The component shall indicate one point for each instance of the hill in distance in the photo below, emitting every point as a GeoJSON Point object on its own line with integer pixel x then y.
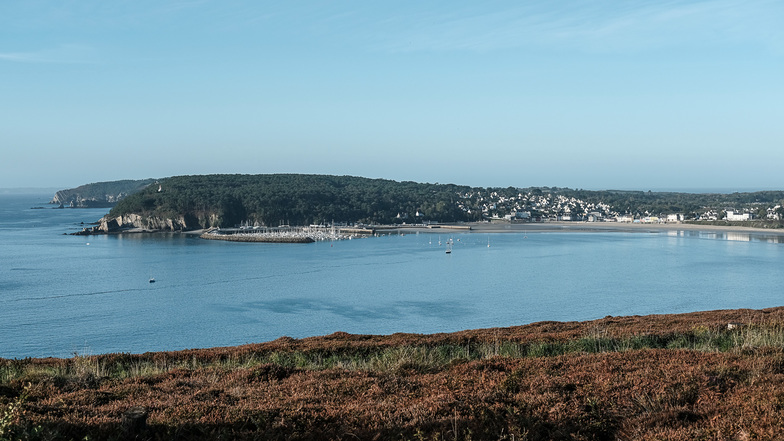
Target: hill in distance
{"type": "Point", "coordinates": [99, 194]}
{"type": "Point", "coordinates": [203, 201]}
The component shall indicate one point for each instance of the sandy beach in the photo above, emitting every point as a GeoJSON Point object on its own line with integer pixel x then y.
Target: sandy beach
{"type": "Point", "coordinates": [487, 227]}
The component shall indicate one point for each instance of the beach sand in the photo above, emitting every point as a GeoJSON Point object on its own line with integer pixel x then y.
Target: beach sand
{"type": "Point", "coordinates": [487, 227]}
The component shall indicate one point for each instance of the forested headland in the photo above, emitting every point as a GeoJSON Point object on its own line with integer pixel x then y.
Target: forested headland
{"type": "Point", "coordinates": [203, 201]}
{"type": "Point", "coordinates": [294, 199]}
{"type": "Point", "coordinates": [99, 194]}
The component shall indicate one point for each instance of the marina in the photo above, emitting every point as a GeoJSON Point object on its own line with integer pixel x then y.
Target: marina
{"type": "Point", "coordinates": [280, 234]}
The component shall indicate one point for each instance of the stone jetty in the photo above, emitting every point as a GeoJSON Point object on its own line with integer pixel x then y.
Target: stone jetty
{"type": "Point", "coordinates": [277, 235]}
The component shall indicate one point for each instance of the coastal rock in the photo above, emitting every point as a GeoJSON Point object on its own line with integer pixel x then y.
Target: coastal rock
{"type": "Point", "coordinates": [76, 200]}
{"type": "Point", "coordinates": [98, 195]}
{"type": "Point", "coordinates": [129, 222]}
{"type": "Point", "coordinates": [109, 225]}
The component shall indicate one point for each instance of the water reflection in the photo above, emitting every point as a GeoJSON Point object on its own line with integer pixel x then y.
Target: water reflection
{"type": "Point", "coordinates": [395, 310]}
{"type": "Point", "coordinates": [740, 237]}
{"type": "Point", "coordinates": [736, 236]}
{"type": "Point", "coordinates": [748, 237]}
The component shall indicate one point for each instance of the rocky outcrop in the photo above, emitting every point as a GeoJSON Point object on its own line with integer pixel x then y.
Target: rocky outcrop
{"type": "Point", "coordinates": [68, 198]}
{"type": "Point", "coordinates": [139, 223]}
{"type": "Point", "coordinates": [99, 194]}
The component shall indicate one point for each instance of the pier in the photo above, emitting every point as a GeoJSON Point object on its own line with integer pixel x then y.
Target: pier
{"type": "Point", "coordinates": [283, 234]}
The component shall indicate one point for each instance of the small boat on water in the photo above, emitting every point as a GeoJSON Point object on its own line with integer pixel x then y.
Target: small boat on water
{"type": "Point", "coordinates": [152, 279]}
{"type": "Point", "coordinates": [449, 246]}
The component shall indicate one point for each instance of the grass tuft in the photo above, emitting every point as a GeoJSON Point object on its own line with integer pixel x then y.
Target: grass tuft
{"type": "Point", "coordinates": [88, 371]}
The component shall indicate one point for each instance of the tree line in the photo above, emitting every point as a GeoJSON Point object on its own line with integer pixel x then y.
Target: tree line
{"type": "Point", "coordinates": [301, 199]}
{"type": "Point", "coordinates": [295, 199]}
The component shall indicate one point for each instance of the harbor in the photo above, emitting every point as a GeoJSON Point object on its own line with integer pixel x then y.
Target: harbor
{"type": "Point", "coordinates": [284, 234]}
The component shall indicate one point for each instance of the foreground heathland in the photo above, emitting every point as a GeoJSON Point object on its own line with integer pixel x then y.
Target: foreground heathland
{"type": "Point", "coordinates": [656, 377]}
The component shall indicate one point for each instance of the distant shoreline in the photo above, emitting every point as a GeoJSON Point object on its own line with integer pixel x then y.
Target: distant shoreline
{"type": "Point", "coordinates": [620, 227]}
{"type": "Point", "coordinates": [485, 227]}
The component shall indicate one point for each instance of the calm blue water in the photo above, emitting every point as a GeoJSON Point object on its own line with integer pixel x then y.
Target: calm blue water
{"type": "Point", "coordinates": [62, 294]}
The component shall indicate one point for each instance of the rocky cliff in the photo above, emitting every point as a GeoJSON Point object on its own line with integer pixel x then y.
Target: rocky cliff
{"type": "Point", "coordinates": [76, 200]}
{"type": "Point", "coordinates": [135, 221]}
{"type": "Point", "coordinates": [139, 223]}
{"type": "Point", "coordinates": [100, 194]}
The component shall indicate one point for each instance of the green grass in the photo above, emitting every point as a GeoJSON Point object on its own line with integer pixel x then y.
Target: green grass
{"type": "Point", "coordinates": [11, 414]}
{"type": "Point", "coordinates": [81, 371]}
{"type": "Point", "coordinates": [86, 370]}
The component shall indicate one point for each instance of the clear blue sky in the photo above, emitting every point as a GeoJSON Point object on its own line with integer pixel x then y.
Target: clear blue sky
{"type": "Point", "coordinates": [582, 94]}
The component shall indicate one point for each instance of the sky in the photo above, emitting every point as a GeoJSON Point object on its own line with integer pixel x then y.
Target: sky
{"type": "Point", "coordinates": [581, 94]}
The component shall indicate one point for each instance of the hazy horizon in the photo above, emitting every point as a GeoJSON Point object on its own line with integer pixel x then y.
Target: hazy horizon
{"type": "Point", "coordinates": [682, 94]}
{"type": "Point", "coordinates": [719, 190]}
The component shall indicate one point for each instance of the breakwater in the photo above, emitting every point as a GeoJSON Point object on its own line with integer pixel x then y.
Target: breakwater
{"type": "Point", "coordinates": [256, 238]}
{"type": "Point", "coordinates": [277, 235]}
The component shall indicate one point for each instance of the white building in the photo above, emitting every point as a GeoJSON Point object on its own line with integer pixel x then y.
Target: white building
{"type": "Point", "coordinates": [735, 216]}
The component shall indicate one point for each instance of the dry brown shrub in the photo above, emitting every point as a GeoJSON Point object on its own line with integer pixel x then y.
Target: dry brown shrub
{"type": "Point", "coordinates": [227, 393]}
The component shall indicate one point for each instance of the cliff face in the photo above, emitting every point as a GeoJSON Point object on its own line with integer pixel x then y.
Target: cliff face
{"type": "Point", "coordinates": [135, 221]}
{"type": "Point", "coordinates": [139, 223]}
{"type": "Point", "coordinates": [76, 200]}
{"type": "Point", "coordinates": [99, 194]}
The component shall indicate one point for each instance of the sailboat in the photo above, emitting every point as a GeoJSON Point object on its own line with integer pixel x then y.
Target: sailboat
{"type": "Point", "coordinates": [488, 241]}
{"type": "Point", "coordinates": [449, 246]}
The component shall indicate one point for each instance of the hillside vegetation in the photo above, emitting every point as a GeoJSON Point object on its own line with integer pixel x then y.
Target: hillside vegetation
{"type": "Point", "coordinates": [99, 194]}
{"type": "Point", "coordinates": [227, 200]}
{"type": "Point", "coordinates": [294, 199]}
{"type": "Point", "coordinates": [673, 377]}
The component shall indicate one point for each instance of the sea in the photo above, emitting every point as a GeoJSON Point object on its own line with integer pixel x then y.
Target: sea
{"type": "Point", "coordinates": [63, 295]}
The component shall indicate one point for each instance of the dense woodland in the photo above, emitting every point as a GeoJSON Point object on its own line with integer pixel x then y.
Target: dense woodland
{"type": "Point", "coordinates": [296, 199]}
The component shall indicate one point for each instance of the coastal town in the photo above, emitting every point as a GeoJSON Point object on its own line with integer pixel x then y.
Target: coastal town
{"type": "Point", "coordinates": [536, 206]}
{"type": "Point", "coordinates": [257, 207]}
{"type": "Point", "coordinates": [495, 207]}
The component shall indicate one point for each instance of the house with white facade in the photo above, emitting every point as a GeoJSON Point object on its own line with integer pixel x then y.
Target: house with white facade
{"type": "Point", "coordinates": [737, 216]}
{"type": "Point", "coordinates": [709, 215]}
